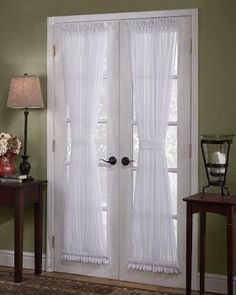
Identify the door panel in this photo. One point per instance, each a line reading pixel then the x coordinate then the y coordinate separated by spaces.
pixel 177 147
pixel 107 144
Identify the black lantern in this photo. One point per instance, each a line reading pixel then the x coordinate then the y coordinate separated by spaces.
pixel 215 151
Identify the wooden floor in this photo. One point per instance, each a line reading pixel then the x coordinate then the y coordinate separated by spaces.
pixel 107 281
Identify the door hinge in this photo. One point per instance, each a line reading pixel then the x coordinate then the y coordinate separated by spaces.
pixel 53 241
pixel 53 145
pixel 54 50
pixel 190 150
pixel 191 46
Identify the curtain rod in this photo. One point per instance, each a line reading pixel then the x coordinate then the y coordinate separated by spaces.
pixel 119 19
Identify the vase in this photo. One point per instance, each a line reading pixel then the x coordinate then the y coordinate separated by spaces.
pixel 7 166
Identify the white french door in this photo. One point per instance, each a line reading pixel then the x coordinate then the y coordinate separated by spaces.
pixel 117 136
pixel 177 151
pixel 107 144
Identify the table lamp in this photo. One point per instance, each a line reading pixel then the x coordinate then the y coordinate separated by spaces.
pixel 25 93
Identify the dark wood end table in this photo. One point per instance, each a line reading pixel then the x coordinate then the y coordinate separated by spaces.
pixel 18 195
pixel 202 204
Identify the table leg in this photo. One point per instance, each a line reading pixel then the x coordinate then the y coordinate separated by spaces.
pixel 38 222
pixel 230 251
pixel 19 213
pixel 202 251
pixel 189 230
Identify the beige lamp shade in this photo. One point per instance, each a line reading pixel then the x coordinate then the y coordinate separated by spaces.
pixel 25 92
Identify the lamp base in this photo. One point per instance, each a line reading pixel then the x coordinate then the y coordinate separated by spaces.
pixel 25 165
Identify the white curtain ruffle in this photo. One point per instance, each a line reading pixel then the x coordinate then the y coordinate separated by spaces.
pixel 83 52
pixel 153 45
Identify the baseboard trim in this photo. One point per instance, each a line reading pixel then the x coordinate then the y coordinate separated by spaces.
pixel 217 284
pixel 7 259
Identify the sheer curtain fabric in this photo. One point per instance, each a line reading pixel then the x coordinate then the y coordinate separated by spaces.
pixel 83 53
pixel 153 46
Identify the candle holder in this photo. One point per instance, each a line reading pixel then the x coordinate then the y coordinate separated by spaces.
pixel 215 151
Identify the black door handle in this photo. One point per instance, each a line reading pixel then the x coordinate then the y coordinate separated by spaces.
pixel 125 161
pixel 112 160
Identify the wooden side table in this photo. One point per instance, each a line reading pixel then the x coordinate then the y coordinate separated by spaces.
pixel 18 195
pixel 202 204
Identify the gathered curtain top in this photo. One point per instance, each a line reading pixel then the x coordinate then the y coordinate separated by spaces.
pixel 83 27
pixel 159 24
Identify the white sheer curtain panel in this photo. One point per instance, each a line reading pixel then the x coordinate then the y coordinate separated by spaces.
pixel 153 45
pixel 83 52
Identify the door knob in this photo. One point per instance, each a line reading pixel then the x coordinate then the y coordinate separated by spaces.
pixel 112 160
pixel 125 161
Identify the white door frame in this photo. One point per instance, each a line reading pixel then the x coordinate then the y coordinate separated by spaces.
pixel 193 13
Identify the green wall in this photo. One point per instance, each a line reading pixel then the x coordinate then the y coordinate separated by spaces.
pixel 23 38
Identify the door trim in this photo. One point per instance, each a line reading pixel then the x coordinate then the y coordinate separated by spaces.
pixel 194 139
pixel 51 51
pixel 50 146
